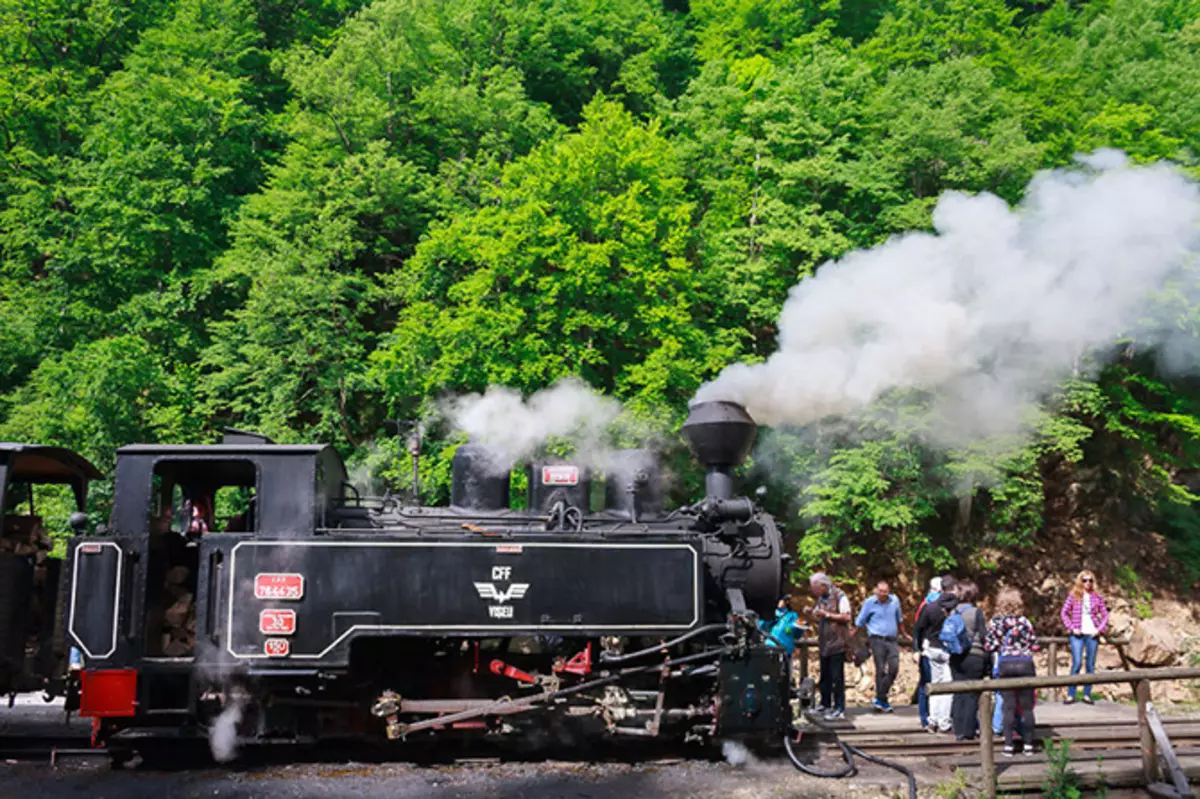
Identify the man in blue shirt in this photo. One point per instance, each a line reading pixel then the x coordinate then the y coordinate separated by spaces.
pixel 882 617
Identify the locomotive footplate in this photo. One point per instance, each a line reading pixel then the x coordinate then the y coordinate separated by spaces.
pixel 307 599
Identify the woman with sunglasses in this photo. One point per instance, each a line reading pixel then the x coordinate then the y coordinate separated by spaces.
pixel 1085 616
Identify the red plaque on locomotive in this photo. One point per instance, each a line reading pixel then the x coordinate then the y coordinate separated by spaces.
pixel 278 586
pixel 275 621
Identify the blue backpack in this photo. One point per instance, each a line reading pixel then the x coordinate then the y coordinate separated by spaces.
pixel 953 635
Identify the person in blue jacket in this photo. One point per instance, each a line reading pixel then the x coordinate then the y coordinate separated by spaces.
pixel 783 628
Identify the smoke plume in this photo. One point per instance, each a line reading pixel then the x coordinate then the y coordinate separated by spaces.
pixel 515 427
pixel 992 310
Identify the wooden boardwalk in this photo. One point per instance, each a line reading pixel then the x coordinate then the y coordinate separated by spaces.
pixel 1104 743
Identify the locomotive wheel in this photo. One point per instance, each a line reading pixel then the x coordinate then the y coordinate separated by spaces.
pixel 119 758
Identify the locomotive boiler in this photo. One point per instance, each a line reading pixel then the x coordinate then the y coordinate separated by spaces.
pixel 248 581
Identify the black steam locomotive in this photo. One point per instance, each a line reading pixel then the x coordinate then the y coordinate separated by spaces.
pixel 312 613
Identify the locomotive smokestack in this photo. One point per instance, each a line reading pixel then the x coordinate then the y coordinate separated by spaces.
pixel 720 435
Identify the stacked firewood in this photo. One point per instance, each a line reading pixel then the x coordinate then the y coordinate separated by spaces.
pixel 25 535
pixel 179 619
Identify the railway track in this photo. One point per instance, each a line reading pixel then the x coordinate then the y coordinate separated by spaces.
pixel 47 748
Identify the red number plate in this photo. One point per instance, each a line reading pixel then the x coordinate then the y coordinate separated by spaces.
pixel 277 647
pixel 278 586
pixel 560 475
pixel 277 622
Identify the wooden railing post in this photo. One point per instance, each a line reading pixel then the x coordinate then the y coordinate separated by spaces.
pixel 803 660
pixel 1149 755
pixel 987 745
pixel 1052 669
pixel 1179 780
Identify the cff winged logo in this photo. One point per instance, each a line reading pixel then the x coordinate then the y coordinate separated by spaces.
pixel 489 591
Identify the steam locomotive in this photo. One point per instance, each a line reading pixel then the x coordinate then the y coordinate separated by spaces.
pixel 313 614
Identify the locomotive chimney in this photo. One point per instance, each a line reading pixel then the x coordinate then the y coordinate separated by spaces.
pixel 720 435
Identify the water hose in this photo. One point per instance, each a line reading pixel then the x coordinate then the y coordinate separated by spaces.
pixel 912 780
pixel 848 753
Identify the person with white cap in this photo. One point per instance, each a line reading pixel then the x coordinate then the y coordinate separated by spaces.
pixel 935 591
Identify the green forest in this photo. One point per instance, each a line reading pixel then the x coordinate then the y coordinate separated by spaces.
pixel 309 218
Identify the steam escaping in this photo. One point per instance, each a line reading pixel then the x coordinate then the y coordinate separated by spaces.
pixel 516 428
pixel 222 735
pixel 991 311
pixel 737 755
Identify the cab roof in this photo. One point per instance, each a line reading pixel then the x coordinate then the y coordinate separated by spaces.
pixel 223 449
pixel 47 464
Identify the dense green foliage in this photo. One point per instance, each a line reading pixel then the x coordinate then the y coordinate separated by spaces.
pixel 309 218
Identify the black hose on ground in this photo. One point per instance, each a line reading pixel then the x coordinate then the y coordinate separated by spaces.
pixel 846 772
pixel 848 753
pixel 912 780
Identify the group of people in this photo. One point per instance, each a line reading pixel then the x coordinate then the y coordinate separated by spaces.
pixel 952 640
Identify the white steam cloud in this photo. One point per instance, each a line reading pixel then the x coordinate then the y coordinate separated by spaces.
pixel 516 427
pixel 737 755
pixel 222 735
pixel 991 311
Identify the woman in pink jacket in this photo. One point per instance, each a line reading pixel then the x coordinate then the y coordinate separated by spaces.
pixel 1085 616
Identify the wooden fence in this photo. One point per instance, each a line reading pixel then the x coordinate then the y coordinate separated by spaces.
pixel 1153 736
pixel 1053 644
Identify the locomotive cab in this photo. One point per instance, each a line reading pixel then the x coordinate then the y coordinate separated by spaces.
pixel 147 591
pixel 35 482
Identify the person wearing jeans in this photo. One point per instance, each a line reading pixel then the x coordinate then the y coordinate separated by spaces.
pixel 924 678
pixel 1011 639
pixel 1085 616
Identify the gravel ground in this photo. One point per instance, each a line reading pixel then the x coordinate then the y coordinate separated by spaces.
pixel 92 778
pixel 701 780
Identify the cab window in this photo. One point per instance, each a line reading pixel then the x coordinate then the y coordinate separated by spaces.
pixel 192 498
